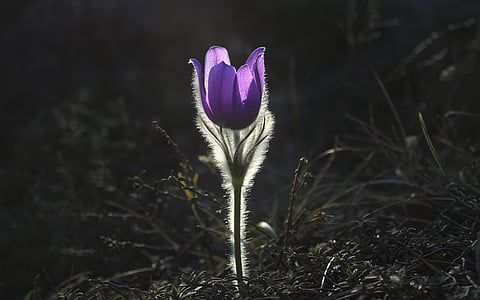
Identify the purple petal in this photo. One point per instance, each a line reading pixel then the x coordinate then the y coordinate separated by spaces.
pixel 213 57
pixel 244 79
pixel 220 92
pixel 260 72
pixel 252 59
pixel 198 71
pixel 256 63
pixel 247 98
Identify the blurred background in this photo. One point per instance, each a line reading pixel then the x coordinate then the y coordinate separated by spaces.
pixel 82 81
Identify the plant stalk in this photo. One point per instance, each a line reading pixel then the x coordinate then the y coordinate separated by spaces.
pixel 237 235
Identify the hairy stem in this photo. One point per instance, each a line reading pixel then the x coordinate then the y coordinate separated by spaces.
pixel 237 227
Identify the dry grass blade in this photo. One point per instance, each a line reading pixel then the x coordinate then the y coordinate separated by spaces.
pixel 390 103
pixel 431 147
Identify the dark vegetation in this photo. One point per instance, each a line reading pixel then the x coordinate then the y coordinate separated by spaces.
pixel 371 189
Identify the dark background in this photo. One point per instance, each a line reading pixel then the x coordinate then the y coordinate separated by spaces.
pixel 82 81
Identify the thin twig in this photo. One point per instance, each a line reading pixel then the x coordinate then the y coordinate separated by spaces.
pixel 293 195
pixel 187 167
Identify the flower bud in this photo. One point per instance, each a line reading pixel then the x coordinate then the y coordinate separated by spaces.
pixel 231 98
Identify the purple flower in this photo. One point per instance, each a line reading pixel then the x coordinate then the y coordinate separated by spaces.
pixel 231 98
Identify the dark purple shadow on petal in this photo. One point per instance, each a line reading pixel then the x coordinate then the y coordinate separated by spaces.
pixel 220 92
pixel 213 57
pixel 251 106
pixel 246 98
pixel 198 71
